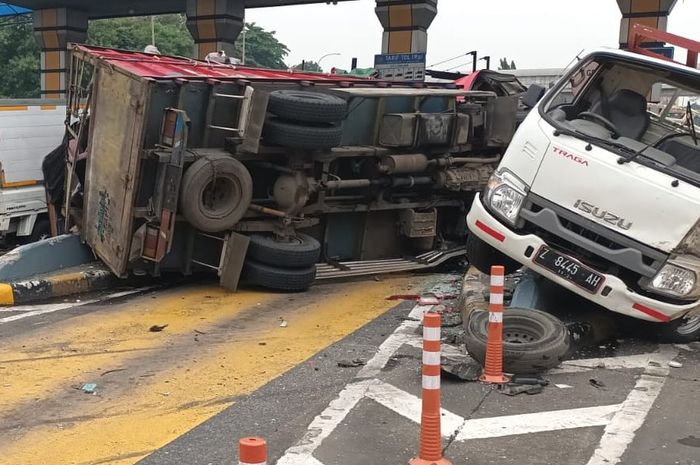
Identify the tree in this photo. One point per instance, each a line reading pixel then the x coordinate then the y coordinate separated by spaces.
pixel 504 65
pixel 262 49
pixel 19 61
pixel 19 52
pixel 171 34
pixel 308 66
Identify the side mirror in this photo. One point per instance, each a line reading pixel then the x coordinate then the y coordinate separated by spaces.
pixel 533 95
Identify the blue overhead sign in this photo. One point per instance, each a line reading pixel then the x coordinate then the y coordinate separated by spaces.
pixel 668 52
pixel 399 59
pixel 7 9
pixel 400 66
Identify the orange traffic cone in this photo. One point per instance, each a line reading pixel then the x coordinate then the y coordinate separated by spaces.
pixel 252 451
pixel 493 366
pixel 430 434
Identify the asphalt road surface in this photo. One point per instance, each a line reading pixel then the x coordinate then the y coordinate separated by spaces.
pixel 254 363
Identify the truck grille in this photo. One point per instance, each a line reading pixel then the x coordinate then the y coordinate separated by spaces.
pixel 597 246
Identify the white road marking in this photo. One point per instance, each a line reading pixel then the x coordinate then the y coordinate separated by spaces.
pixel 608 363
pixel 409 406
pixel 620 432
pixel 509 425
pixel 447 350
pixel 35 310
pixel 621 421
pixel 324 424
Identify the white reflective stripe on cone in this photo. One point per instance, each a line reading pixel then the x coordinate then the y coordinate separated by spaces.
pixel 496 317
pixel 431 382
pixel 497 280
pixel 431 334
pixel 431 358
pixel 496 299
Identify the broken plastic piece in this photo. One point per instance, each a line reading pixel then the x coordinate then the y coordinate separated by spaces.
pixel 674 364
pixel 89 388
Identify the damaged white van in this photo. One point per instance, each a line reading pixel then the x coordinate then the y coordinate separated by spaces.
pixel 602 195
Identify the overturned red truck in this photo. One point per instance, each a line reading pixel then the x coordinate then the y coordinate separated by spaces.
pixel 281 177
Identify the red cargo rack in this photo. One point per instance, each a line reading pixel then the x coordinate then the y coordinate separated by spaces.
pixel 644 34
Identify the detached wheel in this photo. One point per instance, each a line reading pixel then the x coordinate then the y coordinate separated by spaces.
pixel 281 279
pixel 482 256
pixel 682 330
pixel 215 193
pixel 299 251
pixel 307 107
pixel 533 341
pixel 286 134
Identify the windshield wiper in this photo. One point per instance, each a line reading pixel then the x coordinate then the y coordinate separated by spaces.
pixel 588 138
pixel 691 123
pixel 634 154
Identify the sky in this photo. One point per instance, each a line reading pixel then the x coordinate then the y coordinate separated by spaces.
pixel 534 33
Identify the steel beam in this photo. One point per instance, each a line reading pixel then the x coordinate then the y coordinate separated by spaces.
pixel 112 9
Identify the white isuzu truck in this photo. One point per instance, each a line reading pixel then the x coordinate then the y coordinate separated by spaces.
pixel 29 130
pixel 601 195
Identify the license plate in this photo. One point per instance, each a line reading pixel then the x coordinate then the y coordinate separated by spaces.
pixel 569 269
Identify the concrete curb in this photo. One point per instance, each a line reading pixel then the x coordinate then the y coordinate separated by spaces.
pixel 55 285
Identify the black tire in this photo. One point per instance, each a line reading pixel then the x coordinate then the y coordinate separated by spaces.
pixel 533 341
pixel 286 134
pixel 680 331
pixel 281 279
pixel 482 256
pixel 307 107
pixel 300 251
pixel 215 193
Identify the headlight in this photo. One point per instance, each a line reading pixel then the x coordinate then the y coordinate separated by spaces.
pixel 505 194
pixel 677 279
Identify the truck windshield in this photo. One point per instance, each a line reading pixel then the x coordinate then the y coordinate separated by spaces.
pixel 634 108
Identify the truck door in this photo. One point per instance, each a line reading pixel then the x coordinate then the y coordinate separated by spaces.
pixel 117 126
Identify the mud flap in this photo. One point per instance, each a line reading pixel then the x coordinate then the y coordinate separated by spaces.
pixel 232 258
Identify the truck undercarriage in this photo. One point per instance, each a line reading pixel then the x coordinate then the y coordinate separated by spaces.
pixel 190 166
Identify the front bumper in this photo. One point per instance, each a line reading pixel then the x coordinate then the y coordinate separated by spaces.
pixel 619 298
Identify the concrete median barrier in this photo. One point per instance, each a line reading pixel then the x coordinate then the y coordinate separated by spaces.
pixel 67 282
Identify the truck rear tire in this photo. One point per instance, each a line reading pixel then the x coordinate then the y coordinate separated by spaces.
pixel 301 250
pixel 307 107
pixel 533 341
pixel 286 134
pixel 482 256
pixel 215 193
pixel 281 279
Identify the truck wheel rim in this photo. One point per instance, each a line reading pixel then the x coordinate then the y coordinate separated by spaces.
pixel 689 326
pixel 218 197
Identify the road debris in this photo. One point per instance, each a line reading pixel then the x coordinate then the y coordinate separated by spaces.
pixel 358 362
pixel 157 328
pixel 283 323
pixel 515 389
pixel 465 369
pixel 564 386
pixel 597 384
pixel 89 388
pixel 116 370
pixel 674 364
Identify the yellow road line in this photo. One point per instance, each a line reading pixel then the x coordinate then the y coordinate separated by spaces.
pixel 77 349
pixel 121 428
